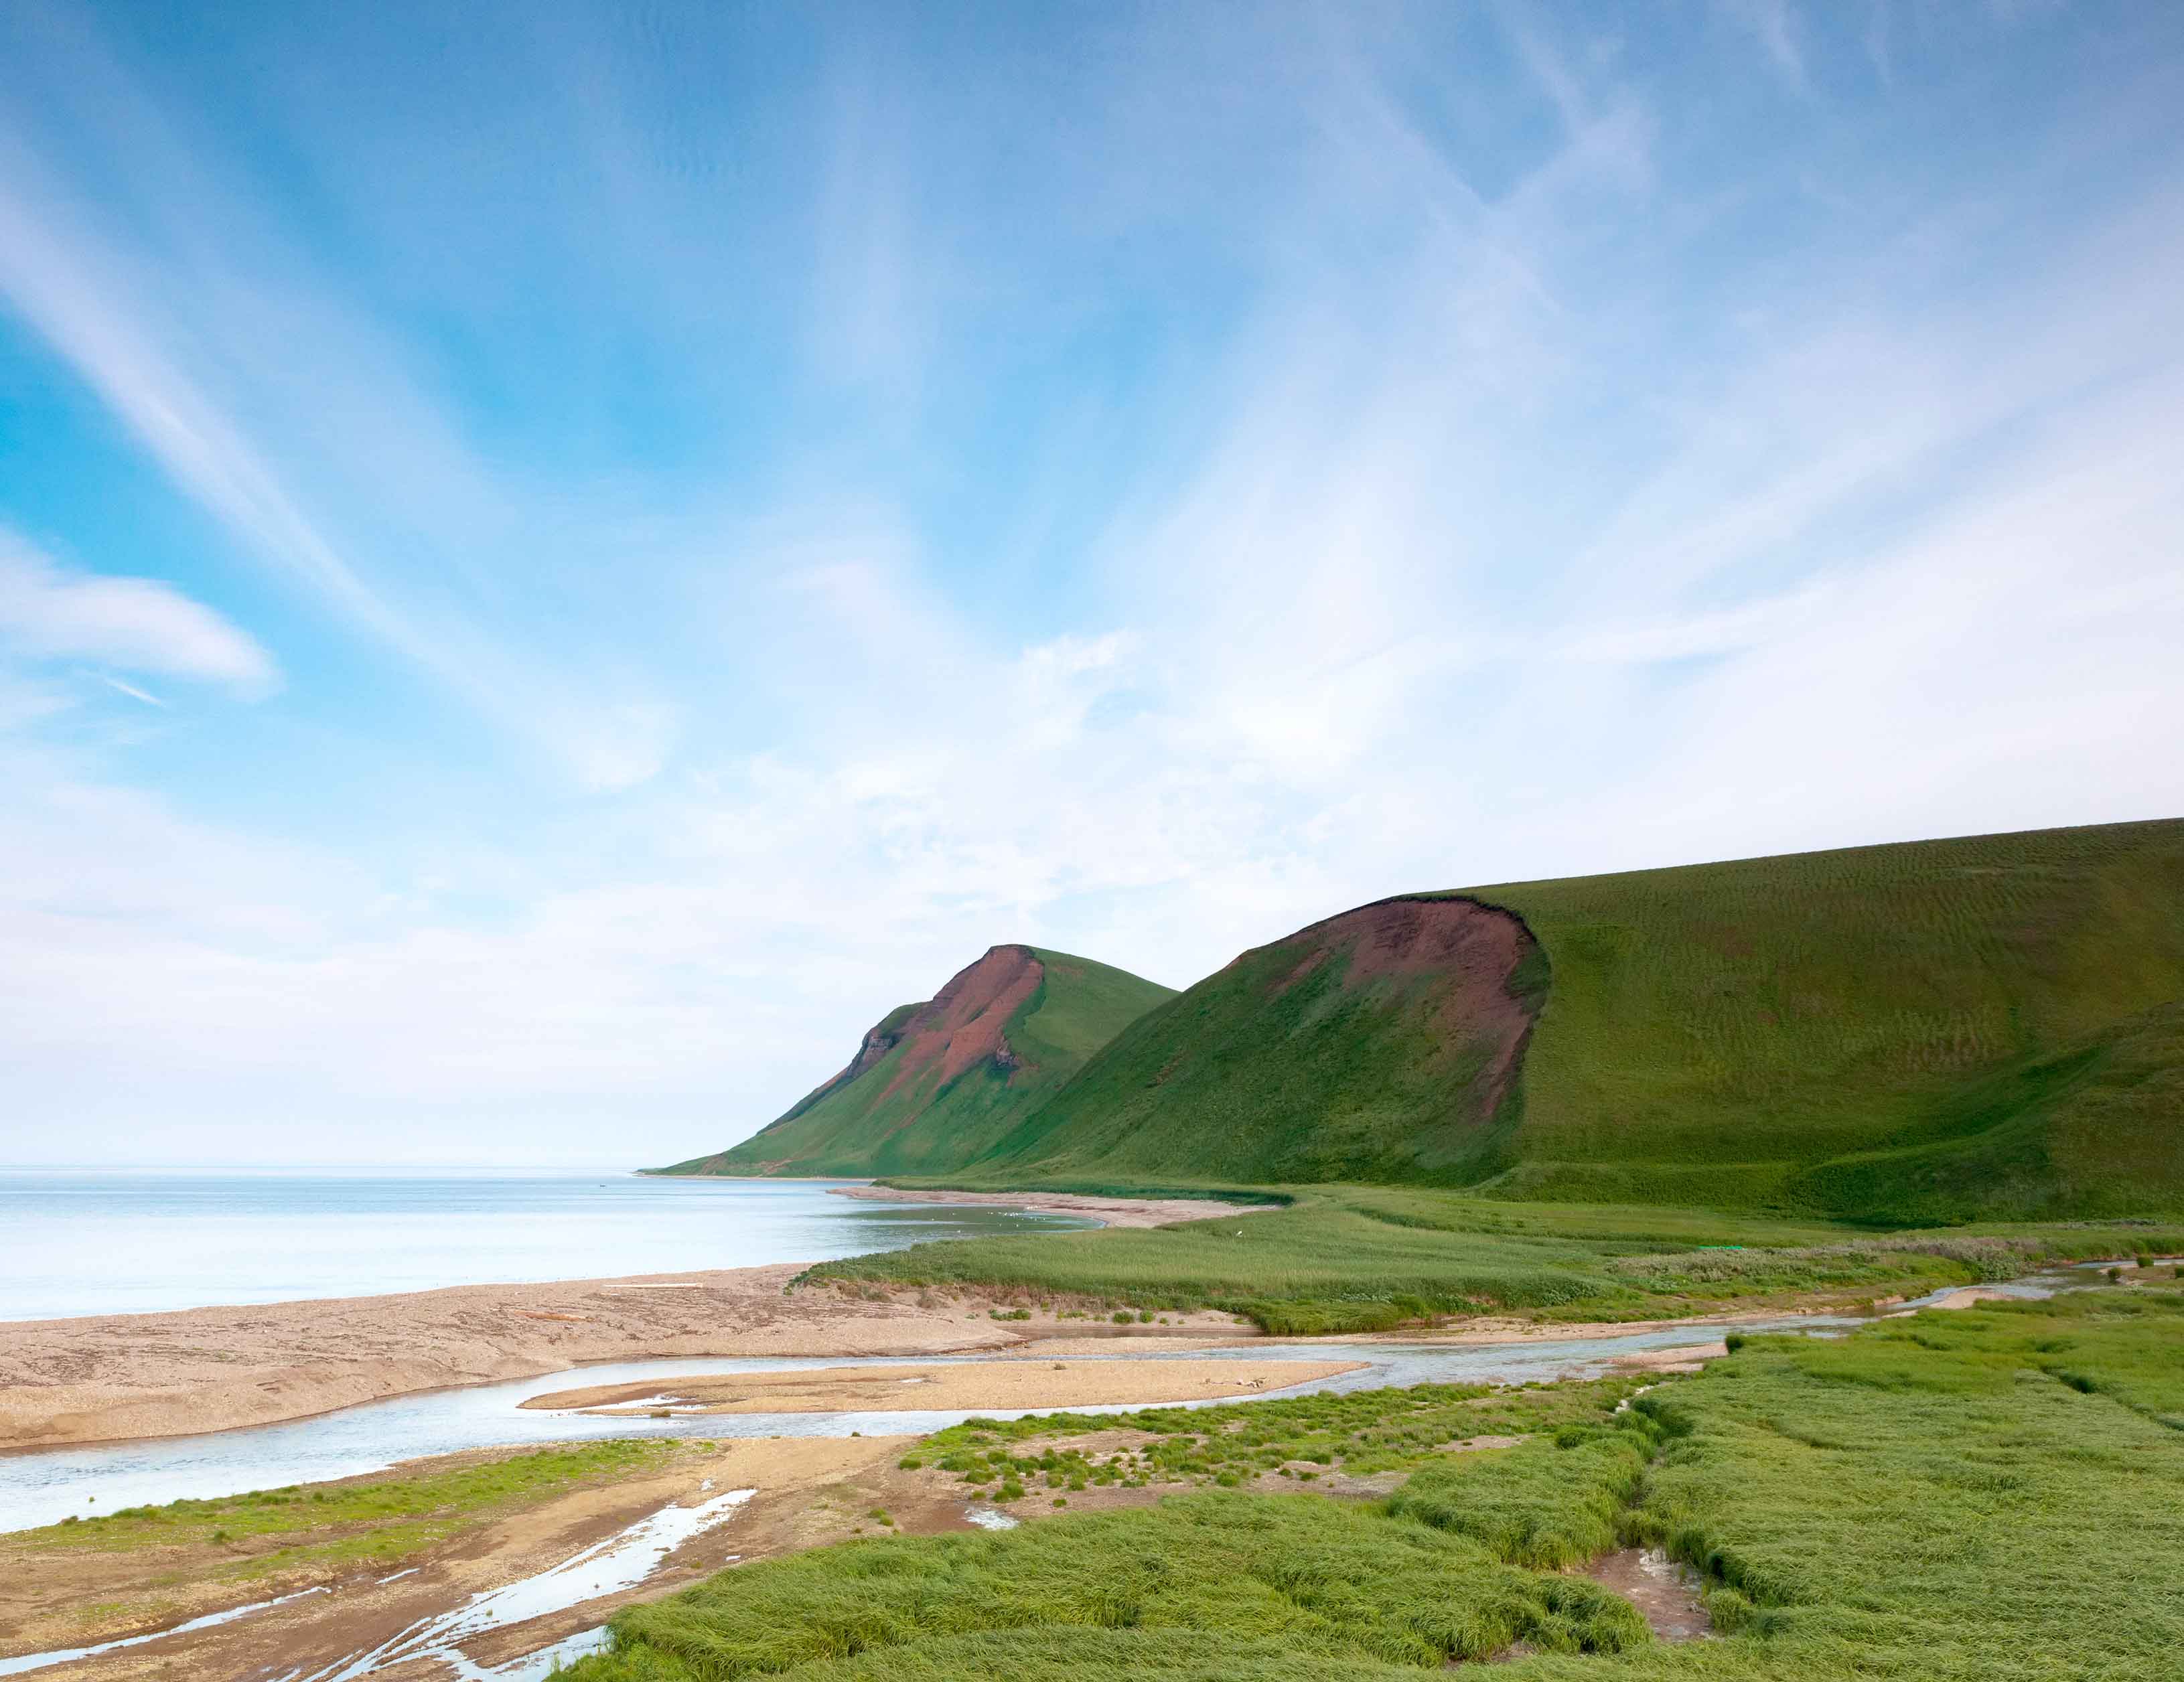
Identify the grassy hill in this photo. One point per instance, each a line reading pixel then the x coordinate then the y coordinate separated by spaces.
pixel 935 1085
pixel 1381 1044
pixel 1933 1031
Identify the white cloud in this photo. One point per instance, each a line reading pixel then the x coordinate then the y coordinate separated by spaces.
pixel 1388 607
pixel 49 612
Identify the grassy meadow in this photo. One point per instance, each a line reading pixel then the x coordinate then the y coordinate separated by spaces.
pixel 1996 1494
pixel 1357 1258
pixel 1909 1034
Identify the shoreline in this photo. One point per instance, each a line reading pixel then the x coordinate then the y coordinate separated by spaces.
pixel 91 1379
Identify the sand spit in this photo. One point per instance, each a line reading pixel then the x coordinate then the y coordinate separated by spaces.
pixel 1004 1384
pixel 113 1377
pixel 210 1369
pixel 1114 1212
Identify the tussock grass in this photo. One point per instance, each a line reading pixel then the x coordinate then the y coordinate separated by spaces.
pixel 1352 1259
pixel 1991 1494
pixel 1356 1432
pixel 1320 1577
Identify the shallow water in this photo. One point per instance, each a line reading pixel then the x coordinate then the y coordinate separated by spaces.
pixel 41 1486
pixel 25 1663
pixel 621 1560
pixel 75 1242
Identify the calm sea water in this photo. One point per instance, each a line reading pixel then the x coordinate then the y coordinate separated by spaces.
pixel 75 1242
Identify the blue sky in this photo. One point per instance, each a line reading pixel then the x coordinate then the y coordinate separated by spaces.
pixel 555 562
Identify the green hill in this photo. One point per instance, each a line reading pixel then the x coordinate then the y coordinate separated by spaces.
pixel 1917 1033
pixel 935 1084
pixel 1382 1045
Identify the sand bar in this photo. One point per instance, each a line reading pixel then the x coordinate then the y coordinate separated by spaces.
pixel 998 1384
pixel 107 1377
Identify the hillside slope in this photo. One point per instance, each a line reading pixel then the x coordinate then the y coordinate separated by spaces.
pixel 1921 1032
pixel 1381 1044
pixel 935 1084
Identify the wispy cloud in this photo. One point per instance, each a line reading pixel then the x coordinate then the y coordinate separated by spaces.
pixel 50 612
pixel 1285 463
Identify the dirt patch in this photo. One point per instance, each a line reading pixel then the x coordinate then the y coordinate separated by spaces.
pixel 1684 1358
pixel 985 1384
pixel 1665 1593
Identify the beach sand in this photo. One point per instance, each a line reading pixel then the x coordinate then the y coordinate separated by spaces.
pixel 1012 1384
pixel 107 1377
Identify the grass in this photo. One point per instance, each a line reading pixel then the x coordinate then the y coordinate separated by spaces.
pixel 1355 1433
pixel 1353 1258
pixel 1951 1023
pixel 1985 1027
pixel 273 1531
pixel 1321 1581
pixel 1298 1062
pixel 1997 1495
pixel 869 1125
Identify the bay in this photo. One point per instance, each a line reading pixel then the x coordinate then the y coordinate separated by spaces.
pixel 77 1241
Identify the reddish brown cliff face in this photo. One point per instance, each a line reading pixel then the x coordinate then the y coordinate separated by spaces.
pixel 963 1025
pixel 1462 957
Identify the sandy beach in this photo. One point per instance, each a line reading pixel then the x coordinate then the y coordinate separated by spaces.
pixel 1000 1384
pixel 105 1378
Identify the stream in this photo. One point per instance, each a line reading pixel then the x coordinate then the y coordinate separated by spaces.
pixel 42 1486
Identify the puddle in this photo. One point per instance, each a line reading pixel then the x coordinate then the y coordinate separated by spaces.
pixel 1665 1593
pixel 26 1662
pixel 989 1518
pixel 621 1560
pixel 534 1666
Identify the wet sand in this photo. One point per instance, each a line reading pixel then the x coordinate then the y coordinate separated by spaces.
pixel 109 1378
pixel 1005 1384
pixel 811 1491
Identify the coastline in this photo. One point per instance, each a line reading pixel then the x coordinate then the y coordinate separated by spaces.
pixel 122 1377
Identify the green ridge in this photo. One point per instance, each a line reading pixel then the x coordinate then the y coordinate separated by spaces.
pixel 1933 1031
pixel 884 1114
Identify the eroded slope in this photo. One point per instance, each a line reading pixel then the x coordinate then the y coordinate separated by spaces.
pixel 1386 1042
pixel 935 1084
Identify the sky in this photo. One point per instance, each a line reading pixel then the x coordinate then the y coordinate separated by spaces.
pixel 555 562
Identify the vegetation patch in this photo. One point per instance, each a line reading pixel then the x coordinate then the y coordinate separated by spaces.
pixel 1363 1259
pixel 1997 1493
pixel 377 1518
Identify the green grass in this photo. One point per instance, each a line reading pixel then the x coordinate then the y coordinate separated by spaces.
pixel 859 1127
pixel 1961 1028
pixel 1319 1580
pixel 1984 1027
pixel 1357 1433
pixel 1352 1258
pixel 378 1519
pixel 1302 1061
pixel 1995 1495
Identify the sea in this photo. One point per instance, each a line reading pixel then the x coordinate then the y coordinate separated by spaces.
pixel 80 1241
